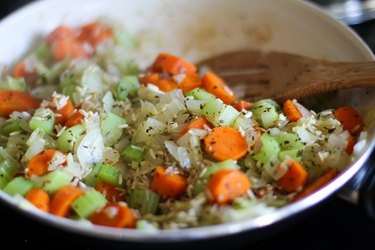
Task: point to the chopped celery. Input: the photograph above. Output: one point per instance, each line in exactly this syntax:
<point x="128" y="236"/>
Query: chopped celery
<point x="227" y="116"/>
<point x="55" y="180"/>
<point x="111" y="128"/>
<point x="145" y="200"/>
<point x="43" y="119"/>
<point x="198" y="187"/>
<point x="133" y="153"/>
<point x="109" y="174"/>
<point x="265" y="112"/>
<point x="200" y="94"/>
<point x="69" y="90"/>
<point x="289" y="141"/>
<point x="127" y="87"/>
<point x="220" y="114"/>
<point x="92" y="179"/>
<point x="19" y="185"/>
<point x="212" y="109"/>
<point x="7" y="169"/>
<point x="88" y="203"/>
<point x="11" y="83"/>
<point x="292" y="153"/>
<point x="270" y="148"/>
<point x="227" y="164"/>
<point x="68" y="84"/>
<point x="8" y="166"/>
<point x="3" y="181"/>
<point x="125" y="39"/>
<point x="11" y="126"/>
<point x="16" y="145"/>
<point x="67" y="138"/>
<point x="147" y="129"/>
<point x="43" y="52"/>
<point x="144" y="225"/>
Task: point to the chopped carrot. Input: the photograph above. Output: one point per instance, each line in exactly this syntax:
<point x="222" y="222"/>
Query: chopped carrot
<point x="172" y="64"/>
<point x="291" y="111"/>
<point x="114" y="215"/>
<point x="39" y="198"/>
<point x="74" y="119"/>
<point x="240" y="105"/>
<point x="190" y="82"/>
<point x="65" y="48"/>
<point x="166" y="84"/>
<point x="150" y="78"/>
<point x="217" y="86"/>
<point x="200" y="123"/>
<point x="350" y="119"/>
<point x="228" y="184"/>
<point x="20" y="71"/>
<point x="38" y="164"/>
<point x="60" y="205"/>
<point x="62" y="32"/>
<point x="168" y="184"/>
<point x="224" y="143"/>
<point x="13" y="100"/>
<point x="64" y="113"/>
<point x="94" y="33"/>
<point x="111" y="193"/>
<point x="350" y="145"/>
<point x="317" y="184"/>
<point x="294" y="178"/>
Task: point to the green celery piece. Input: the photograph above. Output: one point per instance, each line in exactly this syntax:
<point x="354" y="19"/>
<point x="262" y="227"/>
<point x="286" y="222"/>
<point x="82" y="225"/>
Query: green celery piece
<point x="43" y="119"/>
<point x="145" y="200"/>
<point x="55" y="180"/>
<point x="289" y="141"/>
<point x="227" y="116"/>
<point x="19" y="185"/>
<point x="64" y="142"/>
<point x="133" y="153"/>
<point x="10" y="83"/>
<point x="265" y="112"/>
<point x="11" y="126"/>
<point x="92" y="179"/>
<point x="125" y="39"/>
<point x="198" y="187"/>
<point x="7" y="169"/>
<point x="291" y="153"/>
<point x="88" y="203"/>
<point x="110" y="128"/>
<point x="43" y="52"/>
<point x="127" y="87"/>
<point x="69" y="90"/>
<point x="3" y="181"/>
<point x="8" y="166"/>
<point x="212" y="169"/>
<point x="109" y="174"/>
<point x="212" y="109"/>
<point x="200" y="94"/>
<point x="269" y="148"/>
<point x="144" y="225"/>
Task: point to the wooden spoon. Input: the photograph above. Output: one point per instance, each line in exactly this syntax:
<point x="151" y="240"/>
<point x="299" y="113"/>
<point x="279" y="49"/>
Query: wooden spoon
<point x="255" y="74"/>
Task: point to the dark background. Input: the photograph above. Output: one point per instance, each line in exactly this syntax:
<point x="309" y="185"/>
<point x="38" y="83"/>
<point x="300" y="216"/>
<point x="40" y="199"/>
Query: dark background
<point x="334" y="225"/>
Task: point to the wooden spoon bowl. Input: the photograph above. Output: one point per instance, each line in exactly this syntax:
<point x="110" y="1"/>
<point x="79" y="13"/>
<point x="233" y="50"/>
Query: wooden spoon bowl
<point x="255" y="74"/>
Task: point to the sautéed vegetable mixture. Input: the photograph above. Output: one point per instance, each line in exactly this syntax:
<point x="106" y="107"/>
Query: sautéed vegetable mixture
<point x="87" y="135"/>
